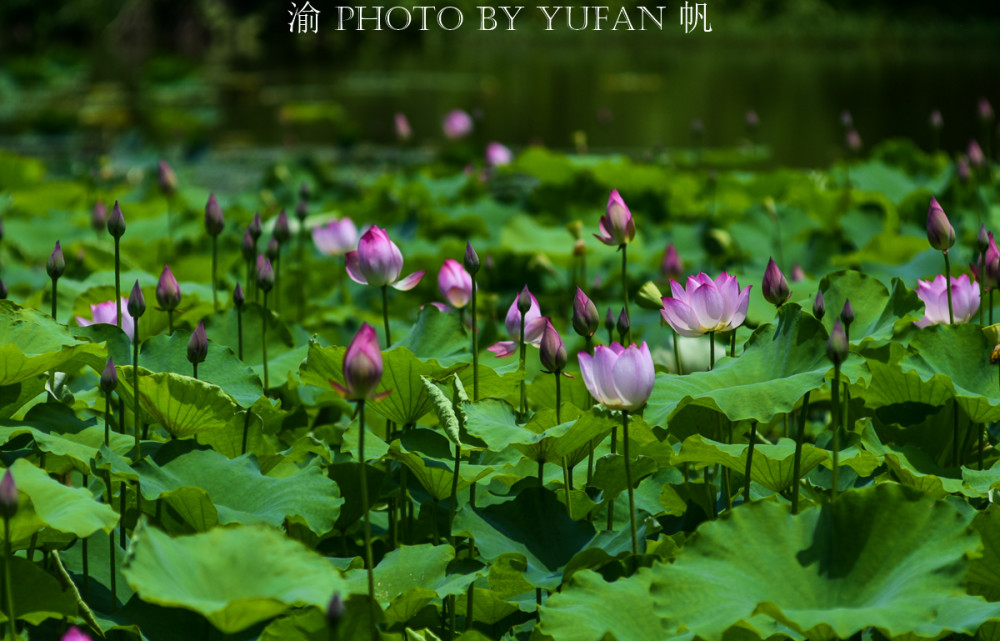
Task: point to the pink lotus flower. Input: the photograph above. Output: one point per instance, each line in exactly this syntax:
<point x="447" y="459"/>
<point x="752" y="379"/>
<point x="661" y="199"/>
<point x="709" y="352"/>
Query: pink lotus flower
<point x="672" y="267"/>
<point x="337" y="237"/>
<point x="617" y="225"/>
<point x="976" y="157"/>
<point x="362" y="367"/>
<point x="107" y="312"/>
<point x="497" y="155"/>
<point x="991" y="268"/>
<point x="964" y="300"/>
<point x="455" y="283"/>
<point x="617" y="377"/>
<point x="706" y="305"/>
<point x="456" y="124"/>
<point x="75" y="634"/>
<point x="403" y="131"/>
<point x="378" y="262"/>
<point x="534" y="327"/>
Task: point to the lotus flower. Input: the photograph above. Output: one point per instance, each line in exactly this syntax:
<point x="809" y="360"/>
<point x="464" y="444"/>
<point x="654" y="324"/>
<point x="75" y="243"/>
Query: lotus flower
<point x="985" y="110"/>
<point x="672" y="267"/>
<point x="378" y="262"/>
<point x="617" y="377"/>
<point x="456" y="124"/>
<point x="362" y="366"/>
<point x="936" y="120"/>
<point x="197" y="348"/>
<point x="976" y="157"/>
<point x="75" y="634"/>
<point x="940" y="233"/>
<point x="168" y="291"/>
<point x="534" y="327"/>
<point x="337" y="237"/>
<point x="775" y="286"/>
<point x="617" y="226"/>
<point x="403" y="131"/>
<point x="8" y="495"/>
<point x="107" y="312"/>
<point x="964" y="297"/>
<point x="265" y="274"/>
<point x="585" y="317"/>
<point x="837" y="346"/>
<point x="455" y="283"/>
<point x="215" y="222"/>
<point x="497" y="155"/>
<point x="991" y="267"/>
<point x="706" y="305"/>
<point x="109" y="377"/>
<point x="552" y="349"/>
<point x="56" y="265"/>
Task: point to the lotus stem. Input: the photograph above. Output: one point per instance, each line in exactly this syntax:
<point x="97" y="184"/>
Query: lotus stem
<point x="749" y="468"/>
<point x="8" y="582"/>
<point x="55" y="297"/>
<point x="246" y="431"/>
<point x="263" y="340"/>
<point x="118" y="283"/>
<point x="251" y="282"/>
<point x="107" y="419"/>
<point x="797" y="466"/>
<point x="111" y="549"/>
<point x="957" y="457"/>
<point x="194" y="371"/>
<point x="566" y="487"/>
<point x="85" y="553"/>
<point x="947" y="280"/>
<point x="135" y="392"/>
<point x="732" y="344"/>
<point x="300" y="258"/>
<point x="523" y="406"/>
<point x="470" y="600"/>
<point x="170" y="322"/>
<point x="385" y="315"/>
<point x="982" y="271"/>
<point x="367" y="519"/>
<point x="837" y="413"/>
<point x="215" y="262"/>
<point x="454" y="495"/>
<point x="677" y="352"/>
<point x="727" y="473"/>
<point x="239" y="331"/>
<point x="475" y="345"/>
<point x="628" y="482"/>
<point x="711" y="350"/>
<point x="991" y="307"/>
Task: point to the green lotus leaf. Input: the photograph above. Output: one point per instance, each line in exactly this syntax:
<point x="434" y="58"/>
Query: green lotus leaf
<point x="423" y="565"/>
<point x="184" y="406"/>
<point x="436" y="476"/>
<point x="885" y="557"/>
<point x="74" y="450"/>
<point x="31" y="343"/>
<point x="876" y="309"/>
<point x="235" y="577"/>
<point x="38" y="595"/>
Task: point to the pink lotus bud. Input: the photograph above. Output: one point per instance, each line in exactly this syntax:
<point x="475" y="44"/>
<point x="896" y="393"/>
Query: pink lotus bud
<point x="256" y="227"/>
<point x="497" y="155"/>
<point x="672" y="267"/>
<point x="238" y="296"/>
<point x="534" y="325"/>
<point x="846" y="120"/>
<point x="936" y="120"/>
<point x="335" y="612"/>
<point x="75" y="634"/>
<point x="168" y="291"/>
<point x="457" y="124"/>
<point x="248" y="247"/>
<point x="336" y="238"/>
<point x="273" y="249"/>
<point x="836" y="346"/>
<point x="136" y="303"/>
<point x="940" y="233"/>
<point x="617" y="226"/>
<point x="982" y="239"/>
<point x="378" y="262"/>
<point x="976" y="157"/>
<point x="617" y="377"/>
<point x="553" y="350"/>
<point x="8" y="496"/>
<point x="798" y="274"/>
<point x="609" y="321"/>
<point x="991" y="268"/>
<point x="197" y="348"/>
<point x="99" y="217"/>
<point x="471" y="260"/>
<point x="706" y="305"/>
<point x="585" y="317"/>
<point x="752" y="120"/>
<point x="775" y="287"/>
<point x="819" y="306"/>
<point x="109" y="377"/>
<point x="455" y="284"/>
<point x="265" y="273"/>
<point x="525" y="300"/>
<point x="281" y="229"/>
<point x="214" y="220"/>
<point x="362" y="365"/>
<point x="56" y="265"/>
<point x="403" y="131"/>
<point x="964" y="171"/>
<point x="985" y="110"/>
<point x="847" y="313"/>
<point x="167" y="179"/>
<point x="854" y="140"/>
<point x="116" y="222"/>
<point x="623" y="325"/>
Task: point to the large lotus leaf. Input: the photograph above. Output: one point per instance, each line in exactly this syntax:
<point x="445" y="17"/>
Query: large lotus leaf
<point x="75" y="449"/>
<point x="885" y="557"/>
<point x="568" y="441"/>
<point x="435" y="476"/>
<point x="984" y="571"/>
<point x="779" y="365"/>
<point x="958" y="355"/>
<point x="410" y="566"/>
<point x="16" y="395"/>
<point x="221" y="366"/>
<point x="237" y="489"/>
<point x="44" y="502"/>
<point x="32" y="343"/>
<point x="495" y="422"/>
<point x="38" y="595"/>
<point x="773" y="465"/>
<point x="437" y="334"/>
<point x="184" y="406"/>
<point x="513" y="526"/>
<point x="235" y="577"/>
<point x="876" y="309"/>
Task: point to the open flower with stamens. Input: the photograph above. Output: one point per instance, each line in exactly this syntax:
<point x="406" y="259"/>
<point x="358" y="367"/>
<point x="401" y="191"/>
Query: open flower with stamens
<point x="534" y="327"/>
<point x="705" y="305"/>
<point x="964" y="294"/>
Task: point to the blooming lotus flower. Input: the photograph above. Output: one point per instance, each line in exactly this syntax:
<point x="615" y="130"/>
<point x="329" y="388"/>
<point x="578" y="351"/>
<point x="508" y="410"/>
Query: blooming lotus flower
<point x="362" y="367"/>
<point x="617" y="377"/>
<point x="378" y="262"/>
<point x="403" y="131"/>
<point x="706" y="305"/>
<point x="107" y="312"/>
<point x="964" y="299"/>
<point x="455" y="283"/>
<point x="337" y="237"/>
<point x="534" y="327"/>
<point x="456" y="124"/>
<point x="497" y="155"/>
<point x="617" y="226"/>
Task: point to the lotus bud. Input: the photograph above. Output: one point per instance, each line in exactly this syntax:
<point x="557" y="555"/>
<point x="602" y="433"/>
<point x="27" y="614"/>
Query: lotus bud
<point x="248" y="247"/>
<point x="575" y="229"/>
<point x="273" y="250"/>
<point x="457" y="124"/>
<point x="609" y="321"/>
<point x="403" y="130"/>
<point x="281" y="230"/>
<point x="166" y="177"/>
<point x="846" y="120"/>
<point x="775" y="286"/>
<point x="854" y="140"/>
<point x="3" y="290"/>
<point x="136" y="302"/>
<point x="255" y="228"/>
<point x="455" y="283"/>
<point x="8" y="496"/>
<point x="524" y="301"/>
<point x="982" y="239"/>
<point x="238" y="296"/>
<point x="836" y="347"/>
<point x="56" y="266"/>
<point x="215" y="222"/>
<point x="168" y="291"/>
<point x="623" y="325"/>
<point x="265" y="273"/>
<point x="99" y="217"/>
<point x="985" y="110"/>
<point x="798" y="274"/>
<point x="847" y="314"/>
<point x="497" y="155"/>
<point x="586" y="320"/>
<point x="819" y="306"/>
<point x="75" y="634"/>
<point x="617" y="226"/>
<point x="109" y="377"/>
<point x="302" y="210"/>
<point x="672" y="267"/>
<point x="363" y="364"/>
<point x="936" y="120"/>
<point x="552" y="349"/>
<point x="650" y="297"/>
<point x="991" y="268"/>
<point x="304" y="191"/>
<point x="198" y="345"/>
<point x="940" y="233"/>
<point x="579" y="248"/>
<point x="964" y="171"/>
<point x="976" y="157"/>
<point x="116" y="222"/>
<point x="471" y="260"/>
<point x="752" y="120"/>
<point x="335" y="612"/>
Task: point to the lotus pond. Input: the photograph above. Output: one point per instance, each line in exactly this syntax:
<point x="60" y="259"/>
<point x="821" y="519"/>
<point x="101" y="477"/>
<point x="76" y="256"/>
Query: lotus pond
<point x="798" y="444"/>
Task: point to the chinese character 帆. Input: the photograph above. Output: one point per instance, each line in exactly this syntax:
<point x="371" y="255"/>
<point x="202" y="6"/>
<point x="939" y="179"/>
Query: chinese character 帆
<point x="691" y="16"/>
